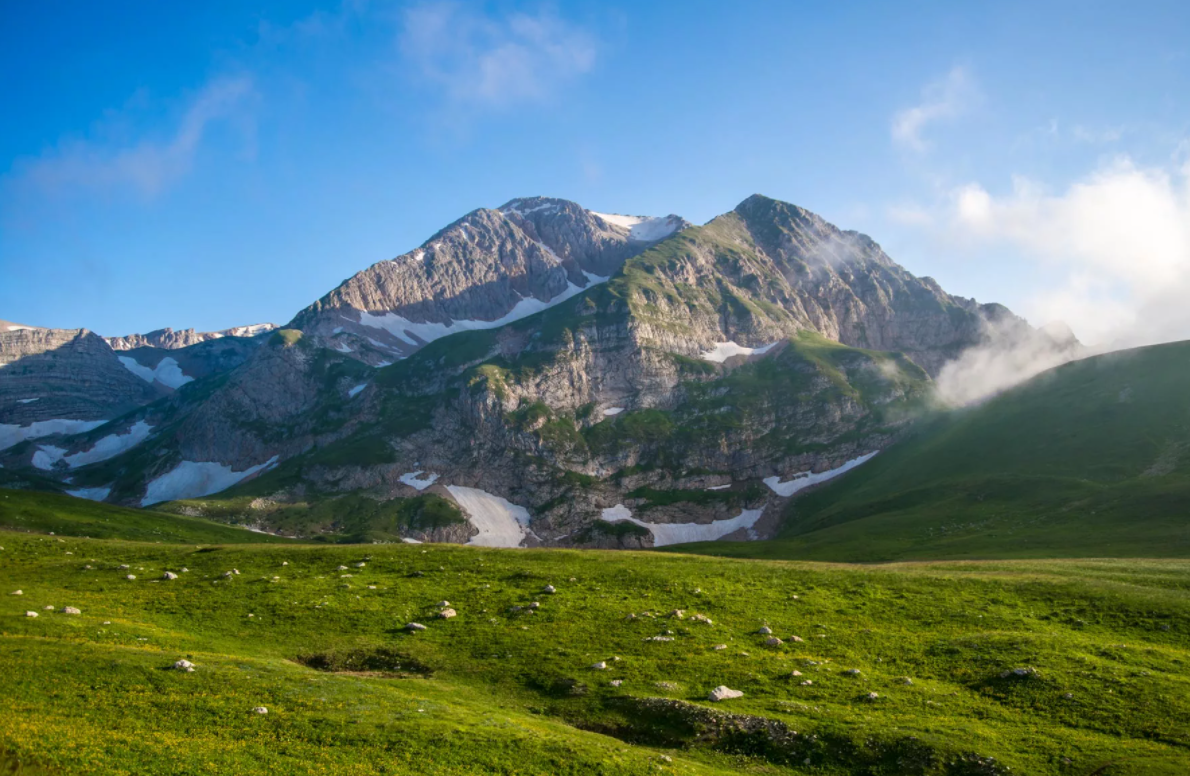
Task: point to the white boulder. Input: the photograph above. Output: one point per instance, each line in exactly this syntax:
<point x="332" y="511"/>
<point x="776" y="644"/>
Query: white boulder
<point x="723" y="693"/>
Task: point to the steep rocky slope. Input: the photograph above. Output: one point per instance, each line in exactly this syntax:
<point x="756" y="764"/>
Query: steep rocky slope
<point x="486" y="269"/>
<point x="565" y="377"/>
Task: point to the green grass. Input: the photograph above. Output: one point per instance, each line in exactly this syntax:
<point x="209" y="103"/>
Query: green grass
<point x="348" y="518"/>
<point x="68" y="516"/>
<point x="496" y="691"/>
<point x="1090" y="459"/>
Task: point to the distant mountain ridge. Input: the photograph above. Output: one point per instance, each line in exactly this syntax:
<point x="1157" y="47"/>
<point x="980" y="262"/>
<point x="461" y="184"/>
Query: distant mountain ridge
<point x="168" y="339"/>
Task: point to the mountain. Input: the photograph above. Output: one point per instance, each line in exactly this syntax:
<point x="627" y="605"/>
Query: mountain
<point x="488" y="268"/>
<point x="56" y="382"/>
<point x="544" y="374"/>
<point x="1091" y="458"/>
<point x="168" y="339"/>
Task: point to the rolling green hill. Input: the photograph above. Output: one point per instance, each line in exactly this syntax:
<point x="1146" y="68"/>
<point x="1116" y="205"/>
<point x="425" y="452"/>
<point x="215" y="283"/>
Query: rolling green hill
<point x="1091" y="459"/>
<point x="23" y="510"/>
<point x="903" y="669"/>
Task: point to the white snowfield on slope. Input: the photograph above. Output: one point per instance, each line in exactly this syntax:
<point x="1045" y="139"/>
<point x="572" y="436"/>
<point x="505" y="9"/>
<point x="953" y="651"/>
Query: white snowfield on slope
<point x="500" y="522"/>
<point x="805" y="480"/>
<point x="195" y="479"/>
<point x="680" y="533"/>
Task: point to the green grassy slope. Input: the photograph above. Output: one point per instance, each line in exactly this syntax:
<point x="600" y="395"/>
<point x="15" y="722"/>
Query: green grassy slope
<point x="23" y="510"/>
<point x="1090" y="459"/>
<point x="348" y="691"/>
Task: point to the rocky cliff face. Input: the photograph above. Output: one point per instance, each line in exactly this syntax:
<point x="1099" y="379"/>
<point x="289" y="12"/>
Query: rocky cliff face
<point x="604" y="380"/>
<point x="486" y="269"/>
<point x="64" y="373"/>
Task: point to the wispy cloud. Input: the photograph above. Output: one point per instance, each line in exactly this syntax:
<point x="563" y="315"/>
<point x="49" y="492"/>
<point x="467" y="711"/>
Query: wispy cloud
<point x="481" y="61"/>
<point x="946" y="98"/>
<point x="1121" y="236"/>
<point x="144" y="165"/>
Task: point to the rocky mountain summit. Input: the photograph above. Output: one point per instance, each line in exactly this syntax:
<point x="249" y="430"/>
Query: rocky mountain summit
<point x="489" y="268"/>
<point x="536" y="374"/>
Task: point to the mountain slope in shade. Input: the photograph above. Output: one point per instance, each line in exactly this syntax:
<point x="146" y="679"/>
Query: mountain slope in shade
<point x="168" y="339"/>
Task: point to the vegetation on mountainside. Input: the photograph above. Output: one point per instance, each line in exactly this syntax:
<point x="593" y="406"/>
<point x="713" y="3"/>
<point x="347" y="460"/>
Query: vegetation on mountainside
<point x="351" y="518"/>
<point x="22" y="510"/>
<point x="1089" y="459"/>
<point x="1102" y="647"/>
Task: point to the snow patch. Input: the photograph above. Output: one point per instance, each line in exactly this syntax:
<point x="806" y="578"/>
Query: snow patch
<point x="27" y="401"/>
<point x="720" y="487"/>
<point x="407" y="540"/>
<point x="352" y="393"/>
<point x="613" y="411"/>
<point x="680" y="533"/>
<point x="111" y="445"/>
<point x="725" y="350"/>
<point x="46" y="456"/>
<point x="342" y="347"/>
<point x="643" y="228"/>
<point x="421" y="483"/>
<point x="410" y="332"/>
<point x="500" y="522"/>
<point x="12" y="434"/>
<point x="191" y="479"/>
<point x="167" y="372"/>
<point x="107" y="447"/>
<point x="91" y="494"/>
<point x="806" y="479"/>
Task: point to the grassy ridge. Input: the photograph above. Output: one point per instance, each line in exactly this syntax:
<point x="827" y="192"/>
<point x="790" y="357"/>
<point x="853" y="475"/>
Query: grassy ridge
<point x="501" y="691"/>
<point x="22" y="510"/>
<point x="1089" y="459"/>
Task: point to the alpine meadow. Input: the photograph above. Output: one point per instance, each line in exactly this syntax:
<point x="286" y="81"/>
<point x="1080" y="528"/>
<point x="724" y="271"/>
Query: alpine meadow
<point x="751" y="487"/>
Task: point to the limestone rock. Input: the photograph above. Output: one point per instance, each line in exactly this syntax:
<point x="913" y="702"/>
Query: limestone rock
<point x="723" y="693"/>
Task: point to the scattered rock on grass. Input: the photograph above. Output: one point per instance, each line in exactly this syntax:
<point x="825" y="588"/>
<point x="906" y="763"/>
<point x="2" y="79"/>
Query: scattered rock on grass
<point x="852" y="672"/>
<point x="718" y="647"/>
<point x="798" y="639"/>
<point x="415" y="626"/>
<point x="260" y="710"/>
<point x="1027" y="672"/>
<point x="600" y="666"/>
<point x="30" y="614"/>
<point x="184" y="665"/>
<point x="18" y="592"/>
<point x="807" y="682"/>
<point x="130" y="577"/>
<point x="723" y="693"/>
<point x="905" y="680"/>
<point x="447" y="613"/>
<point x="616" y="682"/>
<point x="71" y="610"/>
<point x="550" y="589"/>
<point x="872" y="696"/>
<point x="765" y="630"/>
<point x="169" y="575"/>
<point x="773" y="641"/>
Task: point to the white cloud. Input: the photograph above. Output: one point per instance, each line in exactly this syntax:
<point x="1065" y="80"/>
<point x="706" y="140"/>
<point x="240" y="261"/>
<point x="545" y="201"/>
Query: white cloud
<point x="944" y="99"/>
<point x="146" y="165"/>
<point x="487" y="62"/>
<point x="1120" y="238"/>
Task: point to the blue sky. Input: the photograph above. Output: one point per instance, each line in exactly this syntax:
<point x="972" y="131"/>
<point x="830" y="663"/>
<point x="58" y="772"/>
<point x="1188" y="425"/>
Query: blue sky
<point x="220" y="163"/>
